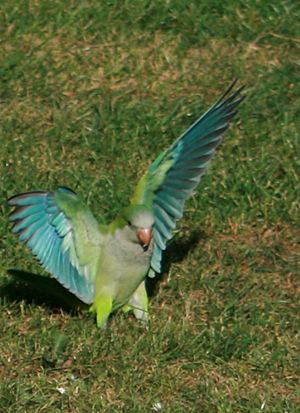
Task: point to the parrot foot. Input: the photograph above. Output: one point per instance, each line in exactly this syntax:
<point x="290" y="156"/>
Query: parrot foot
<point x="139" y="313"/>
<point x="138" y="303"/>
<point x="102" y="306"/>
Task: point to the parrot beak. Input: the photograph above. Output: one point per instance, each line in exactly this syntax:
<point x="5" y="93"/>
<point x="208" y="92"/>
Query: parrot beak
<point x="144" y="235"/>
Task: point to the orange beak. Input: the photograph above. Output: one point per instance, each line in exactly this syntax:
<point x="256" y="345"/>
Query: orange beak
<point x="144" y="236"/>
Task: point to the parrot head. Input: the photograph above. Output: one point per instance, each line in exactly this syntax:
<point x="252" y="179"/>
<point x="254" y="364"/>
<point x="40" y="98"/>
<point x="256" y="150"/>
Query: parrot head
<point x="140" y="222"/>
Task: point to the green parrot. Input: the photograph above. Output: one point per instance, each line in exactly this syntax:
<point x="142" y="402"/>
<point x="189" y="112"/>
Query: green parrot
<point x="106" y="266"/>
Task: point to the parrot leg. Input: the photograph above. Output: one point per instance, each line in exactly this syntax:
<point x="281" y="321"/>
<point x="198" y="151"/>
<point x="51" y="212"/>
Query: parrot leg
<point x="102" y="306"/>
<point x="138" y="303"/>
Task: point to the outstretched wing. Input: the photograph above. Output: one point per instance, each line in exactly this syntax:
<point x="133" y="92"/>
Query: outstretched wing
<point x="172" y="177"/>
<point x="63" y="234"/>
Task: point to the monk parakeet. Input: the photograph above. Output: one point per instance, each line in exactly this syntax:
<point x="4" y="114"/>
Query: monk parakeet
<point x="106" y="266"/>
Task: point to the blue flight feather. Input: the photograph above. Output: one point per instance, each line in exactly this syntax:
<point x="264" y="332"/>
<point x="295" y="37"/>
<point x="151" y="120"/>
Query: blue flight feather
<point x="41" y="224"/>
<point x="190" y="153"/>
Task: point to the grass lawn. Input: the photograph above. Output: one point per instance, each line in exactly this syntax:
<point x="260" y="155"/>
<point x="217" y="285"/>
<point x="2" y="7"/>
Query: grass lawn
<point x="90" y="92"/>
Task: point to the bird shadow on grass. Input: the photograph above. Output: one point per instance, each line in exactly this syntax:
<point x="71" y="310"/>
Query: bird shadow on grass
<point x="46" y="291"/>
<point x="177" y="251"/>
<point x="40" y="290"/>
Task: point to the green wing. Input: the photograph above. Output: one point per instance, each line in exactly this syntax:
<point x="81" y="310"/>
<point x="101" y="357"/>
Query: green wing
<point x="172" y="177"/>
<point x="63" y="234"/>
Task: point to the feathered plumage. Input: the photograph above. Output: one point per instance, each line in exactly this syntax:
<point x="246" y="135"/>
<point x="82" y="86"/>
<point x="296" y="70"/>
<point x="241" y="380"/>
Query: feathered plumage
<point x="106" y="266"/>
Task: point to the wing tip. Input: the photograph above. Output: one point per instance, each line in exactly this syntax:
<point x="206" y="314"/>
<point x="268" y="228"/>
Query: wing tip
<point x="229" y="97"/>
<point x="16" y="200"/>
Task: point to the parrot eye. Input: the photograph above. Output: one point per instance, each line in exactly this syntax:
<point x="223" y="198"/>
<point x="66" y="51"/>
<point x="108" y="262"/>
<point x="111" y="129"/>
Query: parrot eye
<point x="131" y="225"/>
